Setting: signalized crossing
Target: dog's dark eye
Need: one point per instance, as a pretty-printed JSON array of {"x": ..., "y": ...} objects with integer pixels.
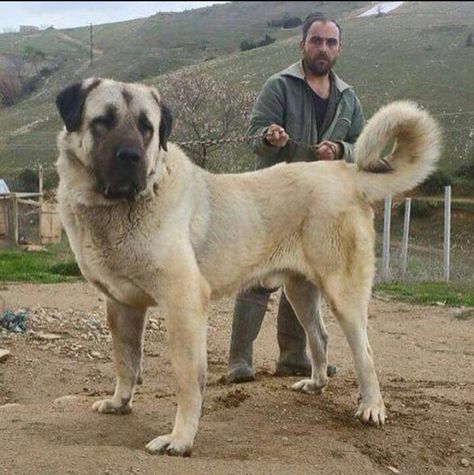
[
  {"x": 145, "y": 127},
  {"x": 102, "y": 124}
]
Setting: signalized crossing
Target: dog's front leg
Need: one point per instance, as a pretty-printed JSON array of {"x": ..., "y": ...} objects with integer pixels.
[
  {"x": 126, "y": 325},
  {"x": 186, "y": 317}
]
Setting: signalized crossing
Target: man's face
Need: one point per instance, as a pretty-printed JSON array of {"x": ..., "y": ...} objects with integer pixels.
[{"x": 321, "y": 47}]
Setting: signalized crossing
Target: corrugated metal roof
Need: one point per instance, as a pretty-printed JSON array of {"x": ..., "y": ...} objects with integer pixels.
[{"x": 3, "y": 187}]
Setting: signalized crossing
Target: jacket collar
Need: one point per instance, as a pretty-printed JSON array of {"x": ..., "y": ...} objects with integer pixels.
[{"x": 296, "y": 70}]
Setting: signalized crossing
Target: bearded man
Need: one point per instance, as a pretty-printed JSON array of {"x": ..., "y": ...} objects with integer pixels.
[{"x": 303, "y": 113}]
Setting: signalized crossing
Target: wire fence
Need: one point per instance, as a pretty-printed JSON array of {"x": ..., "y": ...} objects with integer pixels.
[{"x": 418, "y": 239}]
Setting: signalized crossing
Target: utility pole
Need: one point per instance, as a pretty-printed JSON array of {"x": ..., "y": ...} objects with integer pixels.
[{"x": 92, "y": 45}]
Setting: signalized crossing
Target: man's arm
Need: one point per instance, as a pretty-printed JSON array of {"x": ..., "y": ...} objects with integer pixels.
[
  {"x": 268, "y": 109},
  {"x": 357, "y": 124}
]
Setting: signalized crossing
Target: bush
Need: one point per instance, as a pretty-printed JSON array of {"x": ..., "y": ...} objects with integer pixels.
[
  {"x": 287, "y": 22},
  {"x": 420, "y": 209},
  {"x": 292, "y": 22},
  {"x": 27, "y": 181},
  {"x": 247, "y": 45},
  {"x": 268, "y": 40},
  {"x": 469, "y": 40},
  {"x": 465, "y": 171},
  {"x": 435, "y": 183}
]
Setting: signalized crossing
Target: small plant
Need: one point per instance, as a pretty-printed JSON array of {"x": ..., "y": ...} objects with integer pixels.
[
  {"x": 435, "y": 183},
  {"x": 465, "y": 171},
  {"x": 247, "y": 45},
  {"x": 66, "y": 268},
  {"x": 420, "y": 209},
  {"x": 470, "y": 40}
]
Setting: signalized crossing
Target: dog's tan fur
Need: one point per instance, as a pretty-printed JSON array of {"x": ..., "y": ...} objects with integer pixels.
[{"x": 190, "y": 236}]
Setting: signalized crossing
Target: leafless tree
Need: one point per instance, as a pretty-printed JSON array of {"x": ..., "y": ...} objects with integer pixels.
[{"x": 205, "y": 109}]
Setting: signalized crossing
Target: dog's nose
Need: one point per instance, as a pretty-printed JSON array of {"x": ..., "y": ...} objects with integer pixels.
[{"x": 129, "y": 155}]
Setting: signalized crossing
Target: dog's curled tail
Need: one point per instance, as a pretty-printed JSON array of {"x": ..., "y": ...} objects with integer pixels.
[{"x": 416, "y": 138}]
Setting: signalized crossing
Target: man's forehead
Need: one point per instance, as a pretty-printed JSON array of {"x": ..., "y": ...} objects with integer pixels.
[{"x": 324, "y": 29}]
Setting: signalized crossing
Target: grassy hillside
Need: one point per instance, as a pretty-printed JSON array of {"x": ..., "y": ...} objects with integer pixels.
[
  {"x": 133, "y": 50},
  {"x": 416, "y": 52}
]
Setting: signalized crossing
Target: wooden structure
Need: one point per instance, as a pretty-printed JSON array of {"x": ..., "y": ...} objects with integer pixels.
[
  {"x": 50, "y": 228},
  {"x": 49, "y": 223}
]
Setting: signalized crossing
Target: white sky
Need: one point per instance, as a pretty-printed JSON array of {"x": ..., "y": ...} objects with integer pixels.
[{"x": 72, "y": 14}]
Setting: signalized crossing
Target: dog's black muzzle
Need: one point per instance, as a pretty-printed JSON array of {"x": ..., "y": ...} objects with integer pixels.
[{"x": 127, "y": 176}]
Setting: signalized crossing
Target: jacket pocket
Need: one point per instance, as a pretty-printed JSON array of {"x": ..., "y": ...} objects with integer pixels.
[{"x": 341, "y": 129}]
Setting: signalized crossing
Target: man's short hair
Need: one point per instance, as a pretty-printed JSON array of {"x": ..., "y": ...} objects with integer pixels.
[{"x": 310, "y": 19}]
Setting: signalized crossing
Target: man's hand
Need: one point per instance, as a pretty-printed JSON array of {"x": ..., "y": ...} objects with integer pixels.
[
  {"x": 276, "y": 136},
  {"x": 327, "y": 150}
]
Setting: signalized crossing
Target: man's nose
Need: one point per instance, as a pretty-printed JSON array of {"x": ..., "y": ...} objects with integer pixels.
[{"x": 324, "y": 46}]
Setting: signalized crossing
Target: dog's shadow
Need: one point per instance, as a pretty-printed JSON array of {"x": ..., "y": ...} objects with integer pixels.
[{"x": 81, "y": 426}]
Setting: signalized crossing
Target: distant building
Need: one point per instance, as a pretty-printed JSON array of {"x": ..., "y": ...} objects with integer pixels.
[{"x": 28, "y": 29}]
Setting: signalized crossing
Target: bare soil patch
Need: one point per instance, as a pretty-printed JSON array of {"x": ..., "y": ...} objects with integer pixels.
[{"x": 424, "y": 357}]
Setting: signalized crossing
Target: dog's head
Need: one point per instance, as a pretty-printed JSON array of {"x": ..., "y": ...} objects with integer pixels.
[{"x": 117, "y": 130}]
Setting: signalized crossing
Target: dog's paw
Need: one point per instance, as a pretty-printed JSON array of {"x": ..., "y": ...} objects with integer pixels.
[
  {"x": 371, "y": 412},
  {"x": 309, "y": 386},
  {"x": 169, "y": 445},
  {"x": 110, "y": 406}
]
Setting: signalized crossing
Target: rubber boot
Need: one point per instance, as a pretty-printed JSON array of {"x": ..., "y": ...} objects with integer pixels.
[
  {"x": 249, "y": 310},
  {"x": 293, "y": 360}
]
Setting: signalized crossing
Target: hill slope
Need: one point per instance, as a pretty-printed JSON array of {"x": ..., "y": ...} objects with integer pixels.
[
  {"x": 134, "y": 50},
  {"x": 416, "y": 52}
]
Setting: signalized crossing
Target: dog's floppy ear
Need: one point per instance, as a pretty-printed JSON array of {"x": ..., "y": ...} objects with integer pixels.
[
  {"x": 166, "y": 123},
  {"x": 70, "y": 103}
]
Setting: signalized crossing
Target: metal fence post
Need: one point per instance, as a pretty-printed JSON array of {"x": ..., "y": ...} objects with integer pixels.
[
  {"x": 447, "y": 231},
  {"x": 406, "y": 231},
  {"x": 386, "y": 237}
]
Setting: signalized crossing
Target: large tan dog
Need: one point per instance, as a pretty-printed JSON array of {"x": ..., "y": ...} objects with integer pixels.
[{"x": 148, "y": 227}]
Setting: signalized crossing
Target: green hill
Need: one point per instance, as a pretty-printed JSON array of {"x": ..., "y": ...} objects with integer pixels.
[
  {"x": 133, "y": 50},
  {"x": 416, "y": 52}
]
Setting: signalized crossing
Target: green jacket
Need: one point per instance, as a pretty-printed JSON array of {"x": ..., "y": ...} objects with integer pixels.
[{"x": 286, "y": 100}]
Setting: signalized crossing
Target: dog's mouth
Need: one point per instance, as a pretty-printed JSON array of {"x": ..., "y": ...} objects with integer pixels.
[{"x": 127, "y": 191}]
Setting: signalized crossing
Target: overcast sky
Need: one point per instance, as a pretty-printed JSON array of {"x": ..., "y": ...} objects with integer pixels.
[{"x": 71, "y": 14}]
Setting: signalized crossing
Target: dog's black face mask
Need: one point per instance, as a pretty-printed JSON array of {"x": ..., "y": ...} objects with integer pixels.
[{"x": 121, "y": 135}]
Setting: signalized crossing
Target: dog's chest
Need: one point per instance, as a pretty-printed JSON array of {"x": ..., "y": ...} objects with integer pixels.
[{"x": 112, "y": 259}]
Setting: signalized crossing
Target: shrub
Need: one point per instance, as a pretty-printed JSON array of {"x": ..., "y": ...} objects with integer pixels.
[
  {"x": 246, "y": 45},
  {"x": 268, "y": 40},
  {"x": 420, "y": 209},
  {"x": 28, "y": 181},
  {"x": 469, "y": 40},
  {"x": 465, "y": 171},
  {"x": 292, "y": 22},
  {"x": 435, "y": 183},
  {"x": 65, "y": 268},
  {"x": 287, "y": 22}
]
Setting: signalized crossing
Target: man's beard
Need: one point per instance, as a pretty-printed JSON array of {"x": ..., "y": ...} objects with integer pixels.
[{"x": 317, "y": 68}]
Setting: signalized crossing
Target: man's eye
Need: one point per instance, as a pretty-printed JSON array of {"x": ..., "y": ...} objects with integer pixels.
[{"x": 332, "y": 42}]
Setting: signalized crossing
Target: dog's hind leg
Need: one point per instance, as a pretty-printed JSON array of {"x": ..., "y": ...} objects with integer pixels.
[
  {"x": 349, "y": 302},
  {"x": 186, "y": 321},
  {"x": 305, "y": 300},
  {"x": 127, "y": 326}
]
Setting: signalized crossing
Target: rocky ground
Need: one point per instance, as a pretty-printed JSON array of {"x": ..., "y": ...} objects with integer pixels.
[{"x": 54, "y": 372}]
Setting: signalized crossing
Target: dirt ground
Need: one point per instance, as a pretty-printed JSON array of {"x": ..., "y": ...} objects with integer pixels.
[{"x": 424, "y": 357}]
